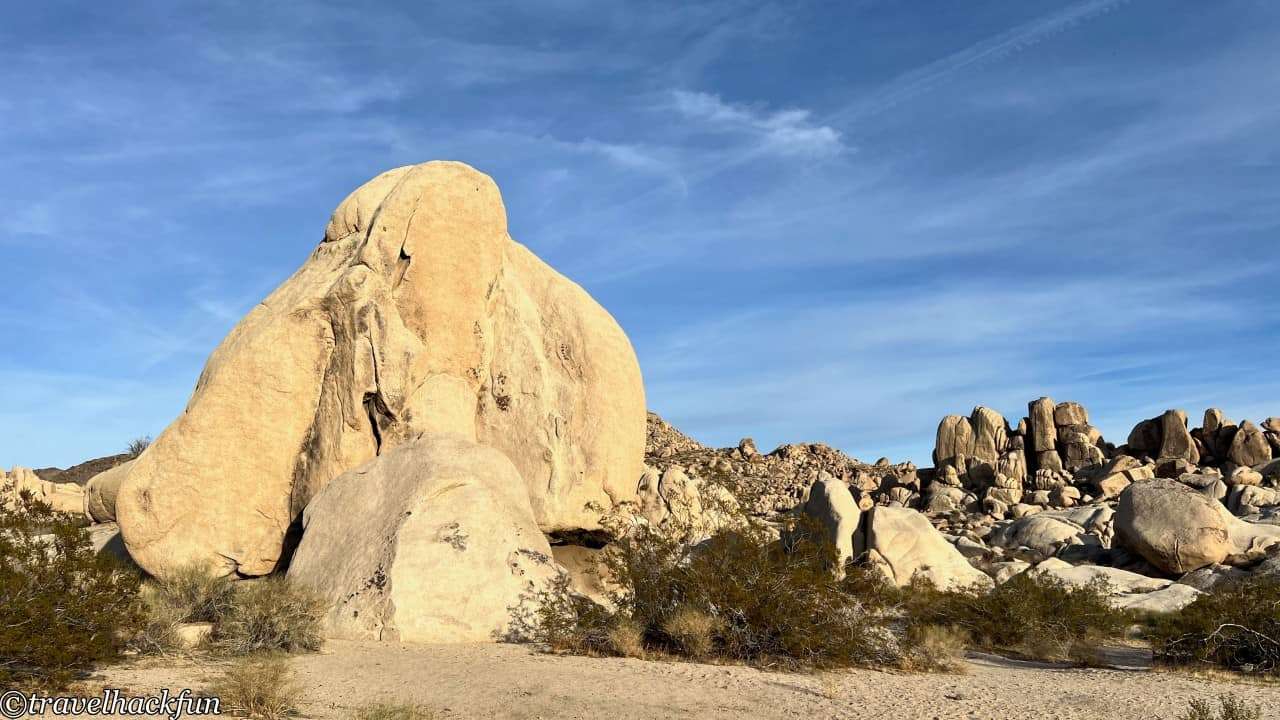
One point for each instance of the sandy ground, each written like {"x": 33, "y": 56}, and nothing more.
{"x": 496, "y": 682}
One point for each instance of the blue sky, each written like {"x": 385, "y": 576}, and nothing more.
{"x": 817, "y": 221}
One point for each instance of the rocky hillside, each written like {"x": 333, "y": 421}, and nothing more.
{"x": 776, "y": 481}
{"x": 1169, "y": 512}
{"x": 80, "y": 474}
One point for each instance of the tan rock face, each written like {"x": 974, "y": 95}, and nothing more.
{"x": 831, "y": 507}
{"x": 61, "y": 497}
{"x": 903, "y": 544}
{"x": 417, "y": 313}
{"x": 101, "y": 490}
{"x": 1172, "y": 526}
{"x": 448, "y": 548}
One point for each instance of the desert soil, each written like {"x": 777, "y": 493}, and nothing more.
{"x": 497, "y": 682}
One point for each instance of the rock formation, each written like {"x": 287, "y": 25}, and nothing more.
{"x": 101, "y": 490}
{"x": 416, "y": 313}
{"x": 61, "y": 497}
{"x": 433, "y": 541}
{"x": 903, "y": 544}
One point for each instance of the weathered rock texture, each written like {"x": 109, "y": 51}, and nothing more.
{"x": 101, "y": 490}
{"x": 416, "y": 313}
{"x": 1171, "y": 525}
{"x": 61, "y": 497}
{"x": 434, "y": 541}
{"x": 777, "y": 481}
{"x": 903, "y": 544}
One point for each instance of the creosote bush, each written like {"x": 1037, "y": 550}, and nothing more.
{"x": 1032, "y": 614}
{"x": 737, "y": 597}
{"x": 63, "y": 608}
{"x": 261, "y": 686}
{"x": 1234, "y": 626}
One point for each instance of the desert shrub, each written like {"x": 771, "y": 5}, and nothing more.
{"x": 1032, "y": 614}
{"x": 261, "y": 686}
{"x": 194, "y": 592}
{"x": 1234, "y": 626}
{"x": 692, "y": 631}
{"x": 737, "y": 596}
{"x": 158, "y": 631}
{"x": 138, "y": 445}
{"x": 393, "y": 711}
{"x": 936, "y": 647}
{"x": 64, "y": 608}
{"x": 269, "y": 614}
{"x": 1229, "y": 708}
{"x": 626, "y": 638}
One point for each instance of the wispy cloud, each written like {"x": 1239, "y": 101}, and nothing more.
{"x": 784, "y": 132}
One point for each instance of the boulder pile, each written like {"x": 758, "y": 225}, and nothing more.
{"x": 769, "y": 483}
{"x": 61, "y": 497}
{"x": 1163, "y": 516}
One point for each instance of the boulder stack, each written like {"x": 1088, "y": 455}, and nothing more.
{"x": 415, "y": 314}
{"x": 61, "y": 497}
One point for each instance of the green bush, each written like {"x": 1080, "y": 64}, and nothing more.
{"x": 1229, "y": 708}
{"x": 269, "y": 614}
{"x": 1031, "y": 614}
{"x": 737, "y": 596}
{"x": 1234, "y": 626}
{"x": 63, "y": 608}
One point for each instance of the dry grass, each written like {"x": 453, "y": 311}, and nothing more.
{"x": 260, "y": 687}
{"x": 692, "y": 630}
{"x": 626, "y": 638}
{"x": 393, "y": 711}
{"x": 1229, "y": 708}
{"x": 270, "y": 614}
{"x": 938, "y": 647}
{"x": 194, "y": 592}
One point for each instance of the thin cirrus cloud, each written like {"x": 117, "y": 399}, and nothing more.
{"x": 788, "y": 132}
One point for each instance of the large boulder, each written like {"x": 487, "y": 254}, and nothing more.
{"x": 830, "y": 507}
{"x": 434, "y": 541}
{"x": 1249, "y": 447}
{"x": 1044, "y": 433}
{"x": 1042, "y": 534}
{"x": 904, "y": 544}
{"x": 416, "y": 313}
{"x": 1172, "y": 526}
{"x": 954, "y": 438}
{"x": 101, "y": 490}
{"x": 1175, "y": 438}
{"x": 990, "y": 434}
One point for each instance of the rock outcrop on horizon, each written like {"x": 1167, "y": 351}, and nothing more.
{"x": 61, "y": 497}
{"x": 1008, "y": 498}
{"x": 417, "y": 313}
